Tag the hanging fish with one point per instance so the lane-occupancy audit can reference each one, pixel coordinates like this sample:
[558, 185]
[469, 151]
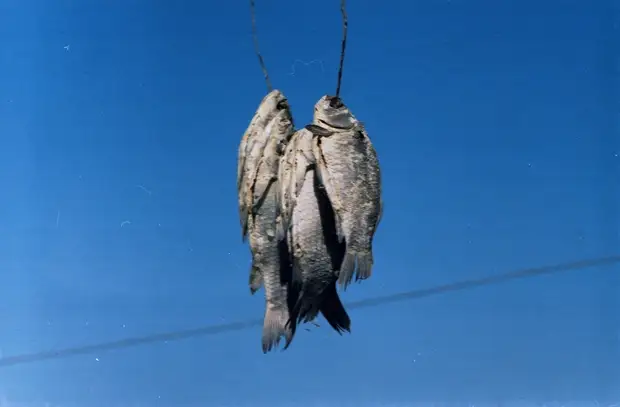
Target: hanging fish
[278, 132]
[308, 227]
[251, 150]
[348, 167]
[270, 258]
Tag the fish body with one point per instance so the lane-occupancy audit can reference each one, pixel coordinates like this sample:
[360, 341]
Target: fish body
[272, 119]
[348, 167]
[251, 149]
[311, 237]
[279, 131]
[270, 259]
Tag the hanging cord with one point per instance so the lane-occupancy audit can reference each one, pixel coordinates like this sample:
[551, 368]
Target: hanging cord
[345, 25]
[256, 49]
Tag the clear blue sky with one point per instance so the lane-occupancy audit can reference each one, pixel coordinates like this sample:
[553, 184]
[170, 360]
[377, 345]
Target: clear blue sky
[495, 127]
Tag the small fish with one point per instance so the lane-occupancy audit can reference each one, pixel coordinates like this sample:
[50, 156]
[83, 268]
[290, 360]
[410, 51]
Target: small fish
[270, 258]
[279, 131]
[251, 150]
[348, 167]
[311, 237]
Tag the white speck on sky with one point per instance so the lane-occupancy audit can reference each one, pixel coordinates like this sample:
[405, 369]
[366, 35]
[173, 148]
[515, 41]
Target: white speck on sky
[314, 61]
[144, 189]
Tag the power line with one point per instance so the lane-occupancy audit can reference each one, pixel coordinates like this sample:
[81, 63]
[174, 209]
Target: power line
[345, 25]
[479, 282]
[369, 302]
[256, 48]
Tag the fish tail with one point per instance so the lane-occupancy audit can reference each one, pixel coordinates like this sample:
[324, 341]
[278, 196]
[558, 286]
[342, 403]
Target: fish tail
[303, 310]
[334, 312]
[347, 270]
[358, 264]
[293, 295]
[364, 266]
[276, 326]
[309, 314]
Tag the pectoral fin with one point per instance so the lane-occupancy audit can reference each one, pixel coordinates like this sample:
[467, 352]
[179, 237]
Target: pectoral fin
[261, 188]
[256, 279]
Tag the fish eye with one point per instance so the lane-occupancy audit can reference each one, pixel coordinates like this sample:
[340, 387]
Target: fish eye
[282, 105]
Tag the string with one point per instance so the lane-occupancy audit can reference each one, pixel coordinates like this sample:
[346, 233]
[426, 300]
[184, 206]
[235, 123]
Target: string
[257, 49]
[345, 25]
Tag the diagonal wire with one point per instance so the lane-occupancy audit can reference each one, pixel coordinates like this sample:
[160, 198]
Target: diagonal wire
[369, 302]
[345, 26]
[479, 282]
[256, 48]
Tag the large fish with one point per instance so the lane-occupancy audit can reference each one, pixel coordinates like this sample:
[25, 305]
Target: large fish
[251, 151]
[348, 167]
[270, 257]
[308, 227]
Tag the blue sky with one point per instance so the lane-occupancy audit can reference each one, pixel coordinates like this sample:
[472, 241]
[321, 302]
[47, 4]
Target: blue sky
[496, 131]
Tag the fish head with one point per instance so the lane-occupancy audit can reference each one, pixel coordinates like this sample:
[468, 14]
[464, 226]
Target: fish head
[272, 103]
[330, 112]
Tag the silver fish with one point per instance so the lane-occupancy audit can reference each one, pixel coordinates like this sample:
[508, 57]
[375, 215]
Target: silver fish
[270, 258]
[278, 132]
[310, 232]
[348, 167]
[251, 150]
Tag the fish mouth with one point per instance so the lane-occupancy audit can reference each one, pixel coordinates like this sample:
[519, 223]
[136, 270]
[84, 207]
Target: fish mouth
[282, 104]
[335, 126]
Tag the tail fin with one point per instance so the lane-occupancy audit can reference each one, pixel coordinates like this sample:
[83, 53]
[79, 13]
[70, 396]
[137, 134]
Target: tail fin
[308, 313]
[355, 263]
[303, 310]
[334, 312]
[275, 326]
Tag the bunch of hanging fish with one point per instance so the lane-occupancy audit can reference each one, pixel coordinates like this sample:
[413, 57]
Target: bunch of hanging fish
[309, 203]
